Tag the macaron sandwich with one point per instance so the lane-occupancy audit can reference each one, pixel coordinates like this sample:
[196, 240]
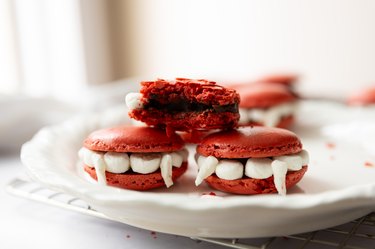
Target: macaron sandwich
[270, 105]
[184, 105]
[137, 158]
[251, 160]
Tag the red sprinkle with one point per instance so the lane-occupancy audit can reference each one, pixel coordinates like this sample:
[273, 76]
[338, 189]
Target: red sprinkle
[153, 234]
[211, 193]
[369, 164]
[330, 145]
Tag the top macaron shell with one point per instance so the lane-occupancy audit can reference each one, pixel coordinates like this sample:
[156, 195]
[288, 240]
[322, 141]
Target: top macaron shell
[200, 91]
[133, 139]
[256, 142]
[283, 79]
[263, 95]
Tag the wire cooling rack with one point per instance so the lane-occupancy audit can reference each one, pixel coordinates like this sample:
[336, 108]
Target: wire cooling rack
[358, 234]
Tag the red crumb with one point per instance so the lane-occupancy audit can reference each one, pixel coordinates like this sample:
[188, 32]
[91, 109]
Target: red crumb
[211, 193]
[330, 145]
[153, 234]
[369, 164]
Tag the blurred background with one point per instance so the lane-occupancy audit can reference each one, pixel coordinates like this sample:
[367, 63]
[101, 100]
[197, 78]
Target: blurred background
[58, 56]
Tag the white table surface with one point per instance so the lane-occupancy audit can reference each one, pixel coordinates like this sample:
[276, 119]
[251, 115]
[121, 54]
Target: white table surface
[29, 224]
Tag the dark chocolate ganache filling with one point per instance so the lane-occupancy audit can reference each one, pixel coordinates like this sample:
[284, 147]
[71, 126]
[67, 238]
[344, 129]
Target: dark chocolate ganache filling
[186, 106]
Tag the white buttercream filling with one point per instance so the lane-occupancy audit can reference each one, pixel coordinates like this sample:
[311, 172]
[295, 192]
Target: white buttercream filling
[267, 116]
[133, 101]
[257, 168]
[143, 163]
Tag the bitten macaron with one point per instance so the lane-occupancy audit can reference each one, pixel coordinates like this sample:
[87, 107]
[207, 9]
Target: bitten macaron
[184, 105]
[266, 105]
[131, 157]
[251, 160]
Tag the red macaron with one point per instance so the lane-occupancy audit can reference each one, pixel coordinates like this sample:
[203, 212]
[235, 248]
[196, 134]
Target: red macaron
[266, 104]
[251, 160]
[362, 97]
[137, 158]
[184, 105]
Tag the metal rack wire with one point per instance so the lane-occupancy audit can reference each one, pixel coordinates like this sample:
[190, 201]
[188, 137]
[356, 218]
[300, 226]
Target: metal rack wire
[358, 234]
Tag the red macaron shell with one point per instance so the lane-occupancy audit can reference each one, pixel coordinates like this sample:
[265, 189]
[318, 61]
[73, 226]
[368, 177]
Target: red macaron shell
[187, 121]
[251, 186]
[200, 91]
[133, 139]
[362, 97]
[283, 79]
[135, 181]
[247, 142]
[263, 95]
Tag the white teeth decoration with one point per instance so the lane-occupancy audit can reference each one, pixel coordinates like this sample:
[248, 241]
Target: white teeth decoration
[133, 101]
[305, 157]
[166, 169]
[206, 168]
[96, 160]
[117, 162]
[294, 162]
[145, 163]
[229, 169]
[99, 165]
[184, 153]
[272, 118]
[258, 168]
[243, 116]
[200, 159]
[177, 159]
[279, 169]
[269, 117]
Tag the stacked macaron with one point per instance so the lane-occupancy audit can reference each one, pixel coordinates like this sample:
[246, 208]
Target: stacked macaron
[142, 158]
[251, 160]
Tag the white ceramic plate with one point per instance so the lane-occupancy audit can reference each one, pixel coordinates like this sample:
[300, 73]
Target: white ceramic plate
[338, 187]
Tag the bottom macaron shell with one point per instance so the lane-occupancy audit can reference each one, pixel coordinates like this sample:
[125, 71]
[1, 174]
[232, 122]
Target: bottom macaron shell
[284, 123]
[250, 186]
[135, 181]
[187, 121]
